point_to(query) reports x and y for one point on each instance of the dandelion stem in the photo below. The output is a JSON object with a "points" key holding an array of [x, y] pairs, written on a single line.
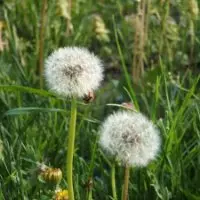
{"points": [[71, 140], [113, 182], [126, 182]]}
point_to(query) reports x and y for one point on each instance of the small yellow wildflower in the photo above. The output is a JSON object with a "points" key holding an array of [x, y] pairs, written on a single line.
{"points": [[62, 195]]}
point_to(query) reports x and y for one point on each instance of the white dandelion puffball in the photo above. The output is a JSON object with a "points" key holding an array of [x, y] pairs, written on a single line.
{"points": [[131, 137], [73, 71]]}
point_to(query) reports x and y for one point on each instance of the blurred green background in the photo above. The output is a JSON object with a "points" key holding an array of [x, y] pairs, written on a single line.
{"points": [[151, 56]]}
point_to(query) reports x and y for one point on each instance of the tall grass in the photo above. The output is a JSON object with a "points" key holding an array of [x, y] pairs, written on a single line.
{"points": [[33, 121]]}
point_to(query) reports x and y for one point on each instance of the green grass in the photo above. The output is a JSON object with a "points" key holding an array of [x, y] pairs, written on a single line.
{"points": [[34, 122]]}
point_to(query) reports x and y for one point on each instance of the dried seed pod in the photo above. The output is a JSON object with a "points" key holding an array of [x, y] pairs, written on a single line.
{"points": [[88, 185], [52, 175], [89, 97]]}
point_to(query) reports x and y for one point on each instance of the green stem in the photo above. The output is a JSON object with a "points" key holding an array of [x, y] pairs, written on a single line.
{"points": [[113, 182], [90, 194], [41, 43], [126, 182], [164, 25], [70, 151]]}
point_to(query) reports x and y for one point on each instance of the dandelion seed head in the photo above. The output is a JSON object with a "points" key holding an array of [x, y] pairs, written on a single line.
{"points": [[73, 71], [131, 137]]}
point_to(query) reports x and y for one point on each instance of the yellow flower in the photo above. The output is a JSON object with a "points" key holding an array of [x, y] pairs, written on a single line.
{"points": [[62, 195]]}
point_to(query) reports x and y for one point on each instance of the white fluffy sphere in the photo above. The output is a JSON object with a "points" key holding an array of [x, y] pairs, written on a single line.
{"points": [[73, 71], [131, 137]]}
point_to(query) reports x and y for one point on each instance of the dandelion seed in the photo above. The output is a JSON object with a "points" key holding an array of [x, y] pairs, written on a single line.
{"points": [[131, 137], [73, 71]]}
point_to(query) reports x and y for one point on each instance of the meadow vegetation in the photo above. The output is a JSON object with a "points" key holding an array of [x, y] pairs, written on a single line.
{"points": [[151, 56]]}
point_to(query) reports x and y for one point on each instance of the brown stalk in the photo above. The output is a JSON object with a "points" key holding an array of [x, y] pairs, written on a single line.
{"points": [[126, 182], [2, 43], [43, 17], [139, 41], [193, 15], [192, 41], [146, 21], [69, 23]]}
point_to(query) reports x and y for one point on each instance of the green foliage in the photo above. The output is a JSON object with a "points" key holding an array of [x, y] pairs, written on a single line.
{"points": [[34, 122]]}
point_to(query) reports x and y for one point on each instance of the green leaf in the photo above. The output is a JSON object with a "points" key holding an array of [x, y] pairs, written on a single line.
{"points": [[20, 111], [190, 196], [17, 88]]}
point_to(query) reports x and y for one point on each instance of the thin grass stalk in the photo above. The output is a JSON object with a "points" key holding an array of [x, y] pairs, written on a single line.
{"points": [[143, 35], [124, 67], [2, 43], [163, 25], [43, 17], [126, 182], [90, 174], [113, 182], [192, 41], [136, 46], [139, 41], [89, 184], [146, 21], [69, 23], [193, 16], [70, 148], [1, 40]]}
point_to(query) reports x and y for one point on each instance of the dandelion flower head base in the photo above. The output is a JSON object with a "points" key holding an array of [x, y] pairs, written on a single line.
{"points": [[131, 137], [73, 71]]}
